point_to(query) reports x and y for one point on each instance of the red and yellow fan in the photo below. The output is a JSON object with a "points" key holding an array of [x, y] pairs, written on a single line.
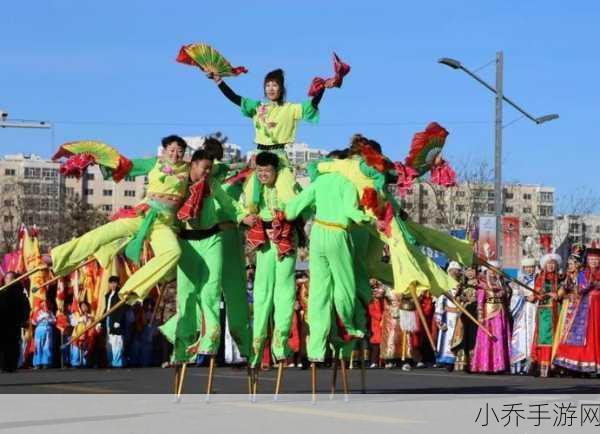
{"points": [[82, 154], [208, 60]]}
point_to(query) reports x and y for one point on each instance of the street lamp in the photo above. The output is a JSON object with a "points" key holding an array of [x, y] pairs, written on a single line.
{"points": [[21, 124], [499, 92]]}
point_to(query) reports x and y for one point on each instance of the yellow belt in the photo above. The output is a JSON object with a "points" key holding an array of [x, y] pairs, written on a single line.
{"points": [[331, 225]]}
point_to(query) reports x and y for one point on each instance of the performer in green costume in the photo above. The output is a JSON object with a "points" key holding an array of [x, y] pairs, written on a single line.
{"points": [[199, 268], [274, 284], [331, 256]]}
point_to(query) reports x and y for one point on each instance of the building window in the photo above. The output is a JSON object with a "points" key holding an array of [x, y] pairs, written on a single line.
{"points": [[491, 195], [88, 192], [508, 195], [8, 219], [10, 172], [425, 193], [32, 172], [127, 207], [545, 225], [89, 176], [509, 209], [459, 222], [106, 193], [424, 206], [129, 193], [574, 227], [546, 196], [460, 208], [545, 211], [129, 179], [491, 207], [408, 205], [460, 193], [106, 208], [70, 191], [526, 210], [424, 220], [598, 229], [526, 196], [526, 224]]}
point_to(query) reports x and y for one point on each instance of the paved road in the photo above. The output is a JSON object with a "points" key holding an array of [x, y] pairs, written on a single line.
{"points": [[228, 380]]}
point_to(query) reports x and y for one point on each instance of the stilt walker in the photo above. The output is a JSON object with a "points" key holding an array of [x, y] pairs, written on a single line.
{"points": [[151, 219], [199, 270], [331, 257], [273, 238]]}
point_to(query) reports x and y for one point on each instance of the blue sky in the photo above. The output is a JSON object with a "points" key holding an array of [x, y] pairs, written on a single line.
{"points": [[106, 70]]}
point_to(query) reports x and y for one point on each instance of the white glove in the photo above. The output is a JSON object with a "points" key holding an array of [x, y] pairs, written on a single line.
{"points": [[116, 325]]}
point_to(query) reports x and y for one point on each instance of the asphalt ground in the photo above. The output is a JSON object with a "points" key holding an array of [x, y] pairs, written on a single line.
{"points": [[229, 380]]}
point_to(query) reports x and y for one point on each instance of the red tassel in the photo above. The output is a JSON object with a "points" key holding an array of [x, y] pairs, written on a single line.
{"points": [[369, 200]]}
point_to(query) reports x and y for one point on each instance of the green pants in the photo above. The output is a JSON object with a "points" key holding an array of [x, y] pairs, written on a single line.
{"points": [[274, 292], [332, 283], [234, 289], [162, 239], [367, 264], [198, 298]]}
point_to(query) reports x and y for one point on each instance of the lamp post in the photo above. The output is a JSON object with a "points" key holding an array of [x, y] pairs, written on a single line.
{"points": [[498, 90]]}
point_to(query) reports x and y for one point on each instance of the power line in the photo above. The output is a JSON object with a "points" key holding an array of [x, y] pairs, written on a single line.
{"points": [[239, 124]]}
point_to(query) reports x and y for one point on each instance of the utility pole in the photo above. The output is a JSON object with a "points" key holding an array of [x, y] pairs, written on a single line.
{"points": [[498, 153]]}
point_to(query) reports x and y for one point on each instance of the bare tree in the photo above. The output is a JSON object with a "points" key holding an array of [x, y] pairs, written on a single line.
{"points": [[448, 208]]}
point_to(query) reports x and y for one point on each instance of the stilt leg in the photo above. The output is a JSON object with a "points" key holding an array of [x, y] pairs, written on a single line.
{"points": [[279, 377], [249, 371], [176, 383], [313, 370], [211, 373], [336, 363], [344, 379], [255, 384], [181, 381], [363, 368]]}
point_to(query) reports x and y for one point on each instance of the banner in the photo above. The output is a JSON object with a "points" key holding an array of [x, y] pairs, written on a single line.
{"points": [[486, 245], [511, 243]]}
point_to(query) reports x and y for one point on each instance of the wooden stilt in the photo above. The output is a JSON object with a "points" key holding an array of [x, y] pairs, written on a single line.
{"points": [[211, 373], [471, 317], [336, 363], [279, 377], [363, 368], [161, 291], [313, 371], [94, 323], [351, 359], [24, 276], [255, 385], [413, 293], [249, 371], [344, 378], [181, 380], [176, 382]]}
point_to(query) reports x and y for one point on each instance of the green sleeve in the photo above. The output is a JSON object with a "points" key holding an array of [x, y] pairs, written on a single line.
{"points": [[229, 206], [296, 205], [141, 166], [219, 171], [249, 106], [350, 204], [309, 113]]}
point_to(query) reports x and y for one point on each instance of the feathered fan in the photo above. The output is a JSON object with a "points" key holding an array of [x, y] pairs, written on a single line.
{"points": [[82, 154], [208, 60]]}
